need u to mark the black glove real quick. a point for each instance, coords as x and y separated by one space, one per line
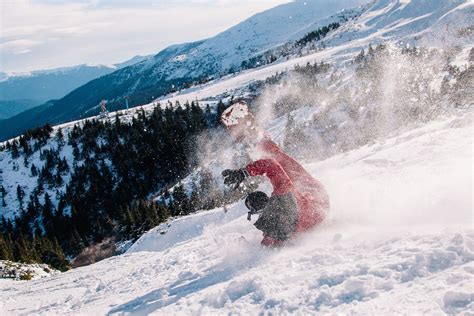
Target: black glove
234 177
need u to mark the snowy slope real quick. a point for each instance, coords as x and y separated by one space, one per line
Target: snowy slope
262 32
420 22
415 22
259 33
14 173
399 241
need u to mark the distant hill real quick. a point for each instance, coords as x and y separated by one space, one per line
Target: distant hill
20 92
9 108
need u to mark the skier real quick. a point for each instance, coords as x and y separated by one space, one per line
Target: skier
298 203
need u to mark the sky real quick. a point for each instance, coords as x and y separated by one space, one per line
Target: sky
46 34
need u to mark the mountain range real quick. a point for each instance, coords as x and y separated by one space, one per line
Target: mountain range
23 91
183 65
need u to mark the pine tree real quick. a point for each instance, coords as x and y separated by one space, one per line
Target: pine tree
14 150
163 213
4 203
48 217
60 138
5 249
180 201
220 109
20 194
195 200
209 194
33 170
3 193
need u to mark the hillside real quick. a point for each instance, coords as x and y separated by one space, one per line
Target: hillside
9 108
61 180
390 255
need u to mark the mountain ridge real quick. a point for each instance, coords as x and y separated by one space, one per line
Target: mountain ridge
180 65
41 86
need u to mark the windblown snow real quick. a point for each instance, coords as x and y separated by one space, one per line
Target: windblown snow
399 241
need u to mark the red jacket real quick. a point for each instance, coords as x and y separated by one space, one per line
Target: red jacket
286 175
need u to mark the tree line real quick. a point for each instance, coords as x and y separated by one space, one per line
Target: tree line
105 190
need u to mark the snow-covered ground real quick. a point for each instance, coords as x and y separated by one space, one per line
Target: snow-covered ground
23 271
400 240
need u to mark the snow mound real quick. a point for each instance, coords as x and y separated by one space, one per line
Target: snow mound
183 229
21 271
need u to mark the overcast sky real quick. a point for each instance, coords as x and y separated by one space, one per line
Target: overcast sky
45 34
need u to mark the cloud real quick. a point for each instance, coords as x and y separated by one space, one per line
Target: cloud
62 33
18 47
160 3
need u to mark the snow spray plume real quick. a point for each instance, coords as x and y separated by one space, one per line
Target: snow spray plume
383 91
216 151
319 111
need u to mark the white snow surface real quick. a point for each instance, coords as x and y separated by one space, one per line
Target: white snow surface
13 271
399 240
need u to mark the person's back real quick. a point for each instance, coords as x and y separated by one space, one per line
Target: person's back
312 198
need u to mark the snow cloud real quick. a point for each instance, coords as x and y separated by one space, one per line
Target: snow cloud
41 34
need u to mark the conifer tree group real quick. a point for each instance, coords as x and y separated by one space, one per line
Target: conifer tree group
116 167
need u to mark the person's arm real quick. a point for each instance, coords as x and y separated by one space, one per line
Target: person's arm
274 172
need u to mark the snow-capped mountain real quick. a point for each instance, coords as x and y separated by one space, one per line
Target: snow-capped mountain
277 29
262 32
44 85
22 91
181 65
415 22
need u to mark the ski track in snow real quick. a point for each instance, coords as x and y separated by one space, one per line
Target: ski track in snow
399 241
